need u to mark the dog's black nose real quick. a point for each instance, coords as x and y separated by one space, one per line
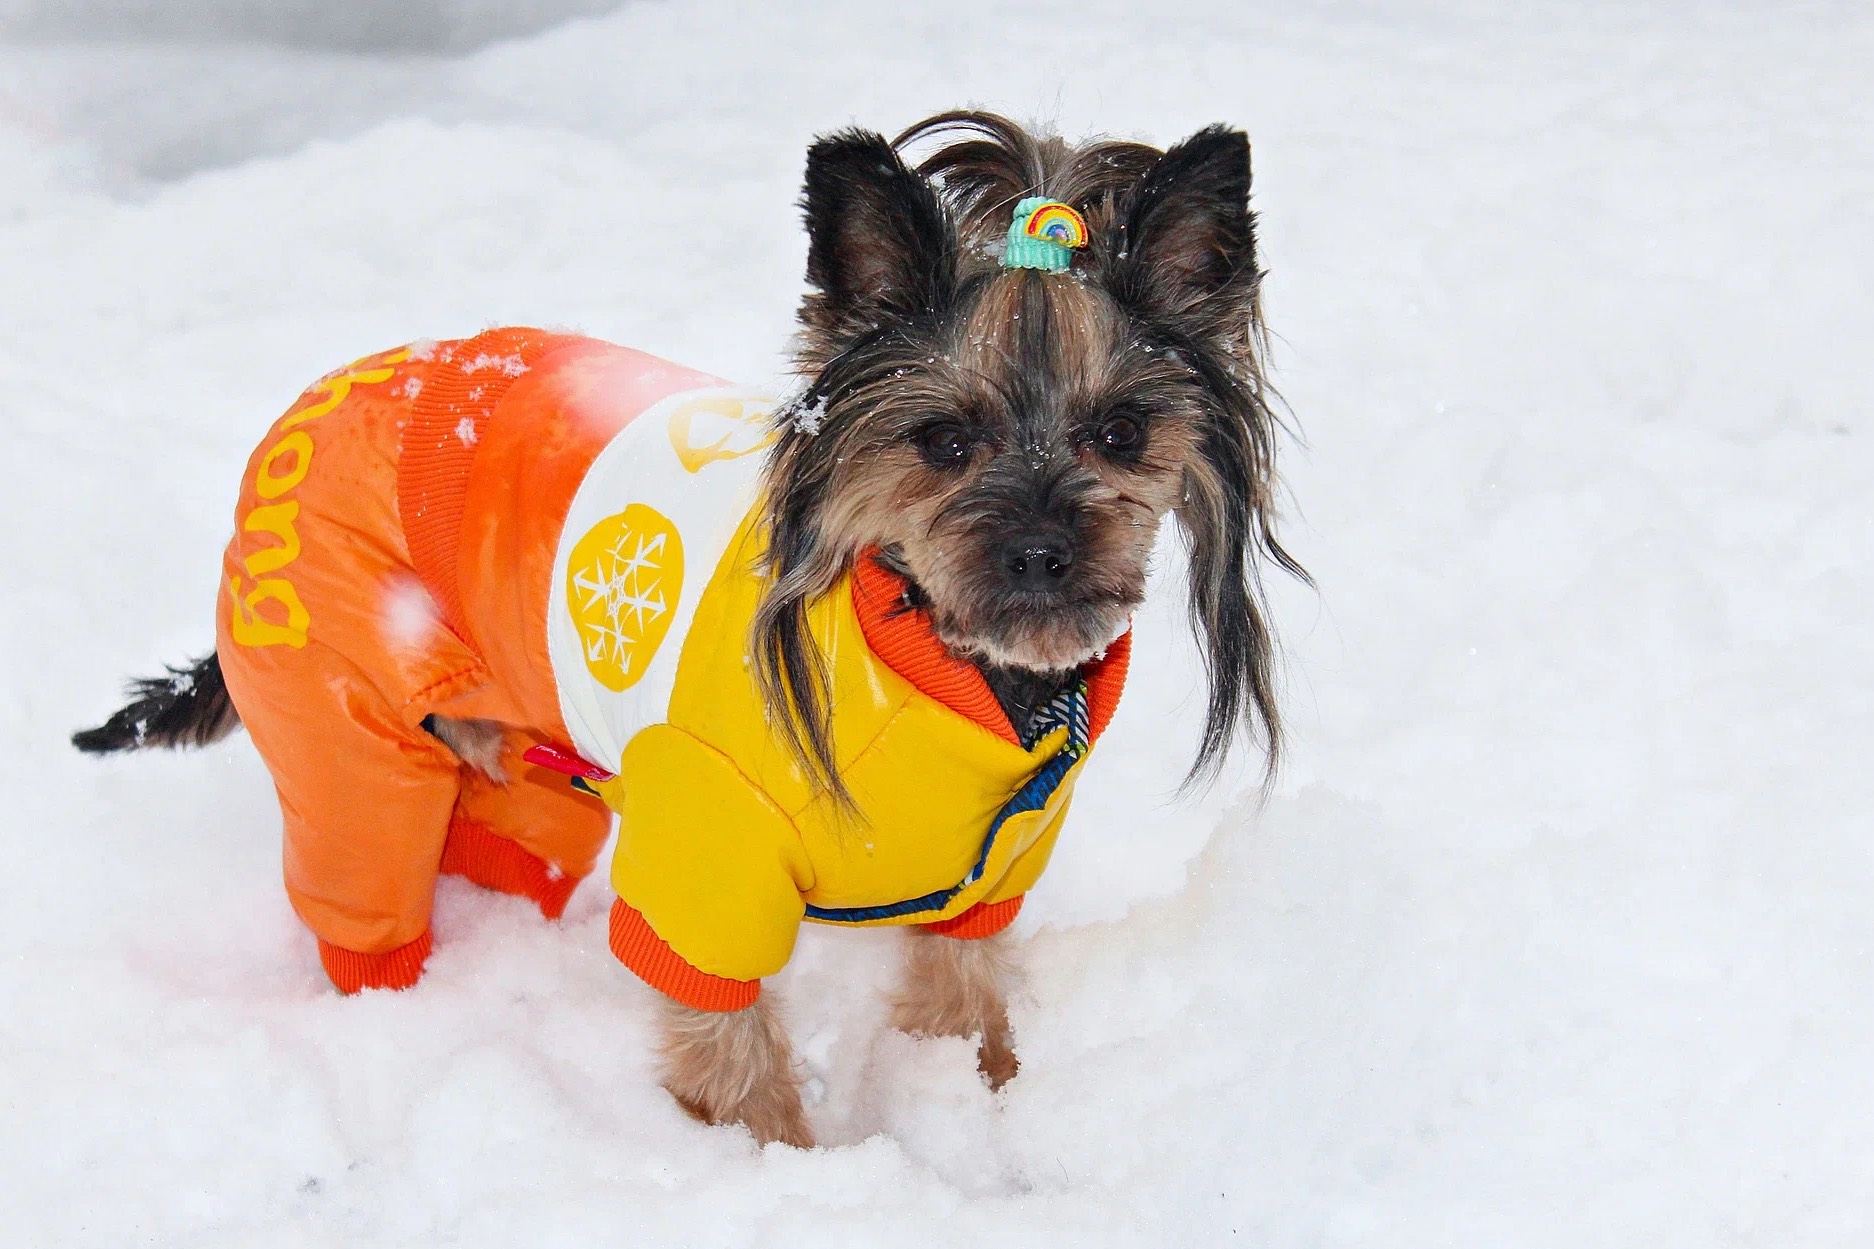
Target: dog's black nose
1037 562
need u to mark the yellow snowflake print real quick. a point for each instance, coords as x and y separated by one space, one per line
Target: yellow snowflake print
622 586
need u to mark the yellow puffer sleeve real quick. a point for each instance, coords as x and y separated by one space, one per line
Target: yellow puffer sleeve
709 872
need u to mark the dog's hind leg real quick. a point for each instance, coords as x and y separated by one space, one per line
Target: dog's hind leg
735 1067
365 796
519 829
957 987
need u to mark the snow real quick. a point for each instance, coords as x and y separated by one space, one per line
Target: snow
509 365
808 418
1555 930
406 612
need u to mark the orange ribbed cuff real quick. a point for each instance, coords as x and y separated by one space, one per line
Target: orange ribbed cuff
394 969
661 967
477 853
985 919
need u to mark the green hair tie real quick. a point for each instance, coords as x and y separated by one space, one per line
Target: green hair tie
1044 235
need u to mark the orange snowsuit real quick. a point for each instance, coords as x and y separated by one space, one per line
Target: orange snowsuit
433 531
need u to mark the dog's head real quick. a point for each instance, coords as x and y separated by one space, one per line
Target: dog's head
1010 439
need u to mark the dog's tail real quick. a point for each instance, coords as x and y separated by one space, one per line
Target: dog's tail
189 707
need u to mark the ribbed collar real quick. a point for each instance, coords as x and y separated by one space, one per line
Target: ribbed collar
904 640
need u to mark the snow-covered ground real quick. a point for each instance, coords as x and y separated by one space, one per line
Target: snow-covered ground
1557 931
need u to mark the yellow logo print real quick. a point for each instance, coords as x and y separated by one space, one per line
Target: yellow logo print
246 623
622 586
718 427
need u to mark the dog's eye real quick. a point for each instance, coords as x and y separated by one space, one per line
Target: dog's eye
944 444
1120 436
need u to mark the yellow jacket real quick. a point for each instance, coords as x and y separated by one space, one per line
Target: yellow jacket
608 538
723 847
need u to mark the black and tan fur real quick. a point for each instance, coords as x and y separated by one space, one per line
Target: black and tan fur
959 413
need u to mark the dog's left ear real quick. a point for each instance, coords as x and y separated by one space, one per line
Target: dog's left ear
1186 248
880 245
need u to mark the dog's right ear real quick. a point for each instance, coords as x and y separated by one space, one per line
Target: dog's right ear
880 245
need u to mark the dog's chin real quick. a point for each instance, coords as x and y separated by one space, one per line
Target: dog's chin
1054 639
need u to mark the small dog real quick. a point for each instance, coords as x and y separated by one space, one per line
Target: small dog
1019 356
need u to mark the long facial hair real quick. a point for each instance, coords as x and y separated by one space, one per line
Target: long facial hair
954 407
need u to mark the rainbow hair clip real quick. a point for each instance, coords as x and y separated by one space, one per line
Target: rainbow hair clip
1044 235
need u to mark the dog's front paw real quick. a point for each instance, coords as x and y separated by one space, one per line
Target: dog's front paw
768 1114
735 1067
953 988
995 1057
995 1049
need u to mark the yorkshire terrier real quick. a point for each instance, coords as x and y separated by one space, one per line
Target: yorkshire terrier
454 568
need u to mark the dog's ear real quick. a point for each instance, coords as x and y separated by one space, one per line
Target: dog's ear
1184 256
880 246
1186 248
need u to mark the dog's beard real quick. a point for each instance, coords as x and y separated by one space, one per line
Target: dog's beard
1045 633
1050 647
1049 632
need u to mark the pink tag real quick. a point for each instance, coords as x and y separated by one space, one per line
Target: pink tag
564 761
